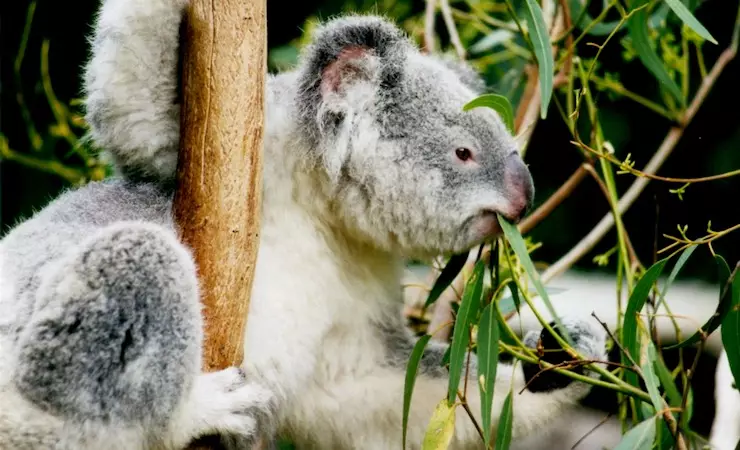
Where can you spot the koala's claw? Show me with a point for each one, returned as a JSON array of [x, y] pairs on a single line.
[[228, 404], [588, 340]]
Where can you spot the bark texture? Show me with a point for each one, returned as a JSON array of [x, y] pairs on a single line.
[[218, 197]]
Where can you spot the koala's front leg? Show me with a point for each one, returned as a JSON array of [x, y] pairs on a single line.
[[378, 394], [113, 348]]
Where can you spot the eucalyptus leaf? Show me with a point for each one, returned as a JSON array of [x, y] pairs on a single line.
[[637, 25], [408, 388], [441, 428], [666, 379], [498, 103], [448, 275], [469, 307], [630, 330], [651, 379], [685, 15], [517, 244], [540, 38], [503, 431], [488, 338], [731, 331], [640, 437], [723, 307]]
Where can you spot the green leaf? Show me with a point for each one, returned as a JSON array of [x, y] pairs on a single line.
[[731, 331], [640, 437], [723, 307], [666, 379], [469, 307], [441, 428], [498, 103], [408, 387], [512, 303], [520, 248], [637, 25], [503, 431], [651, 379], [450, 271], [685, 255], [684, 14], [542, 50], [488, 338], [630, 331]]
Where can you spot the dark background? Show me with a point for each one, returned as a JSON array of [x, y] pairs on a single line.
[[709, 145]]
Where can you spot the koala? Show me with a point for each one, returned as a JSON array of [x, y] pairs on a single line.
[[369, 160]]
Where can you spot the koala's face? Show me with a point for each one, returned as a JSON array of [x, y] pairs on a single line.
[[408, 168]]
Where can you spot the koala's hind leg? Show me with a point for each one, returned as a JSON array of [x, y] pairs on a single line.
[[115, 339], [116, 331]]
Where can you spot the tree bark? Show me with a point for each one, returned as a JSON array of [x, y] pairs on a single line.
[[219, 188]]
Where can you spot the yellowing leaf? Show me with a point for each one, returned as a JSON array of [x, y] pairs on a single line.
[[441, 428]]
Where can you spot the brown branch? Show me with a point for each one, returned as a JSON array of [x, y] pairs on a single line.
[[665, 149], [218, 195], [554, 200]]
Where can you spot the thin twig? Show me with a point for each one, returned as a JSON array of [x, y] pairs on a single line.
[[451, 28], [464, 403], [669, 143], [626, 168], [429, 16]]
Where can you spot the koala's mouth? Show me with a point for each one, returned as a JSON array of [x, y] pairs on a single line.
[[484, 225]]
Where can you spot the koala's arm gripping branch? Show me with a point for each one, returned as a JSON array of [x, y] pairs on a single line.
[[219, 181]]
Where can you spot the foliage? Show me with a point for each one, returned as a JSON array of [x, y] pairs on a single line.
[[654, 410], [78, 162]]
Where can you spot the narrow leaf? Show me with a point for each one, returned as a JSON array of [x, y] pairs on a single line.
[[503, 431], [441, 428], [542, 51], [469, 307], [637, 25], [512, 303], [731, 331], [630, 331], [450, 271], [651, 379], [666, 379], [684, 14], [723, 307], [685, 255], [498, 103], [517, 244], [408, 387], [488, 338], [640, 437]]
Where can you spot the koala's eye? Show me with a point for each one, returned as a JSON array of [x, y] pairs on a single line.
[[463, 154]]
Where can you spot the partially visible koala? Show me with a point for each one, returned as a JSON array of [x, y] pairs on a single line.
[[368, 159]]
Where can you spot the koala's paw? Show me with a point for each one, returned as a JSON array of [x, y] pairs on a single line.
[[227, 404], [589, 341]]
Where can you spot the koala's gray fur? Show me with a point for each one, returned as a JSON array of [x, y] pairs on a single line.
[[100, 331]]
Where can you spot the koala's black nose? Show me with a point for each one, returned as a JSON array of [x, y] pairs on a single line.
[[518, 188]]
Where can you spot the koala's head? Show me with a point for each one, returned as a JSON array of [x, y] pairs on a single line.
[[408, 169]]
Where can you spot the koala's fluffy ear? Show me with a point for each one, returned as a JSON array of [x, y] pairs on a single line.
[[345, 53]]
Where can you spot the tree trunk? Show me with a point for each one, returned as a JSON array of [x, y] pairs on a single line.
[[219, 191]]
